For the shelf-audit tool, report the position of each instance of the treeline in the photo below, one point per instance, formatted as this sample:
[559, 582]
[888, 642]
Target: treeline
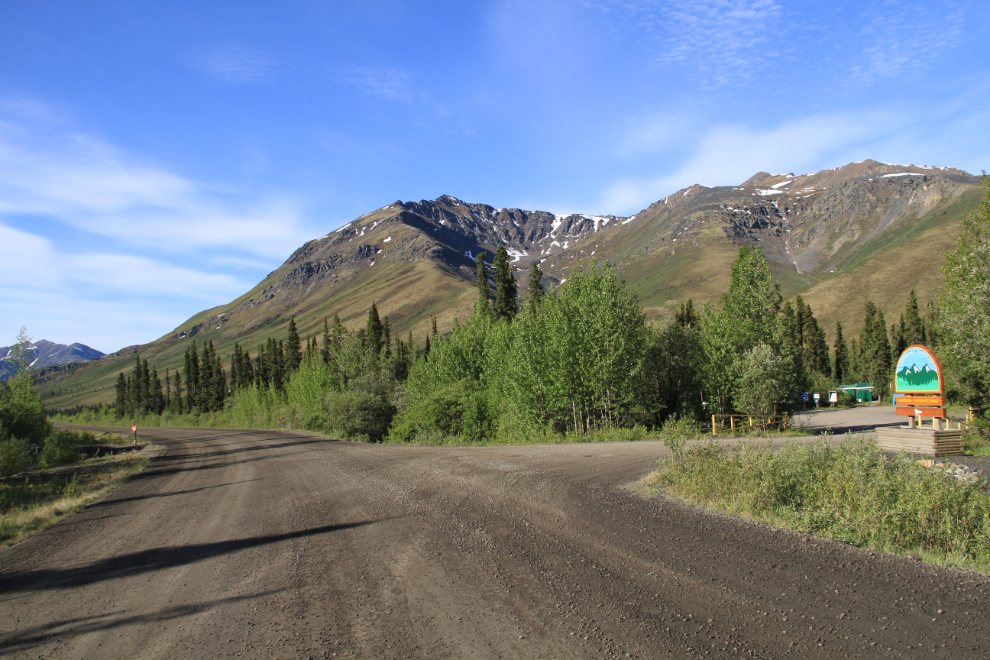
[579, 358]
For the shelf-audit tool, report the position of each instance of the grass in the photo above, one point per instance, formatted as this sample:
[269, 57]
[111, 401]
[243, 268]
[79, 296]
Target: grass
[32, 501]
[852, 493]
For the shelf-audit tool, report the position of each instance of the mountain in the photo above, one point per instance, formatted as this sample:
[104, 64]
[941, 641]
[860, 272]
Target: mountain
[840, 237]
[46, 353]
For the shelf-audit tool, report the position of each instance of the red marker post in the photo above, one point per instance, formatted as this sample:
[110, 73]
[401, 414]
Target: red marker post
[134, 428]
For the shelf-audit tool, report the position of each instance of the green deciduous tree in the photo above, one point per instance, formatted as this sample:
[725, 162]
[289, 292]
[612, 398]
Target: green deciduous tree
[22, 413]
[963, 319]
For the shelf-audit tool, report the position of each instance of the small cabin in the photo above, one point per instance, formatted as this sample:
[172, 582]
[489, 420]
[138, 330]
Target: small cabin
[862, 392]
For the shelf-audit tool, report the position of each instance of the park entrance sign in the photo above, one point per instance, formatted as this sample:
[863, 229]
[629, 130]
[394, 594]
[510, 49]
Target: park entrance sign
[920, 384]
[920, 392]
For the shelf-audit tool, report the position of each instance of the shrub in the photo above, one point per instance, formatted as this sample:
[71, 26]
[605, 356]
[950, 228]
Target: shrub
[463, 410]
[15, 456]
[854, 493]
[363, 412]
[60, 448]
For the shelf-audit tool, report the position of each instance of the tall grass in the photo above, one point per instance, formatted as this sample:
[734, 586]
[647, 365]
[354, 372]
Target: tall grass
[852, 493]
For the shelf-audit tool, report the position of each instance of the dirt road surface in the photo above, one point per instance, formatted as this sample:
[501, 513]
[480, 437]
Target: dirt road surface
[267, 544]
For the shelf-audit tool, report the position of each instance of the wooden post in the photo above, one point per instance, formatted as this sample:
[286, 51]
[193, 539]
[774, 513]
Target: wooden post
[732, 423]
[714, 428]
[912, 422]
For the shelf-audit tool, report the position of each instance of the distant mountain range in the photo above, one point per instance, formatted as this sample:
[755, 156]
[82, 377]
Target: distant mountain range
[839, 237]
[46, 353]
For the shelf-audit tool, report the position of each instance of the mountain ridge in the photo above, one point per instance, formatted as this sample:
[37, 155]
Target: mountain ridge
[415, 260]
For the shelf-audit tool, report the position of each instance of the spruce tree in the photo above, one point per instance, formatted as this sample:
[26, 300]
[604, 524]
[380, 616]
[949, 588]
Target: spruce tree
[505, 286]
[535, 290]
[177, 399]
[293, 350]
[481, 307]
[434, 321]
[685, 317]
[147, 393]
[374, 332]
[387, 336]
[235, 359]
[840, 367]
[120, 402]
[157, 396]
[325, 351]
[914, 328]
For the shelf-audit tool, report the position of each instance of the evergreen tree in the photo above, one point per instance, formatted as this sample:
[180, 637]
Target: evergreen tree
[535, 290]
[426, 349]
[293, 351]
[235, 360]
[433, 320]
[325, 351]
[157, 396]
[815, 345]
[278, 368]
[914, 327]
[875, 360]
[840, 367]
[120, 401]
[685, 317]
[168, 390]
[505, 286]
[387, 336]
[177, 399]
[147, 395]
[481, 307]
[192, 377]
[374, 331]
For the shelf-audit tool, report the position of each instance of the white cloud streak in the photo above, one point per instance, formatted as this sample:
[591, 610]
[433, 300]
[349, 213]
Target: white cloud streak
[88, 184]
[730, 154]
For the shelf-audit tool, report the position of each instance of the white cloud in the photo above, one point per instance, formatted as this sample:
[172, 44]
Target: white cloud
[72, 294]
[88, 184]
[904, 38]
[235, 64]
[730, 154]
[90, 234]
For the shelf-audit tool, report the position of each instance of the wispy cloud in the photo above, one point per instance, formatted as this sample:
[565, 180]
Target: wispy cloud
[87, 226]
[235, 64]
[722, 40]
[383, 82]
[729, 154]
[907, 36]
[84, 182]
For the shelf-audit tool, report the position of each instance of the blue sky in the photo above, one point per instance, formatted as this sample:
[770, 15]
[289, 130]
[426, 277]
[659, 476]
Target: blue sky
[158, 159]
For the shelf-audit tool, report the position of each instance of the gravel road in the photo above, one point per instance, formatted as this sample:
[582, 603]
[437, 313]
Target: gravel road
[271, 544]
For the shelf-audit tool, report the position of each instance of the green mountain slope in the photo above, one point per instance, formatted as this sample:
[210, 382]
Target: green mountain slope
[838, 237]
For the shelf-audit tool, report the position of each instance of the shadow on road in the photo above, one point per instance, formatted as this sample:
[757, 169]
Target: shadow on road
[151, 496]
[147, 561]
[25, 639]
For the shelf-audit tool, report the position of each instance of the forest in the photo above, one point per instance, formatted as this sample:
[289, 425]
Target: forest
[577, 359]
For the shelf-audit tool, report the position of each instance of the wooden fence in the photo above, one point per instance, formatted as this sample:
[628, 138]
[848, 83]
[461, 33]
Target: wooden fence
[755, 422]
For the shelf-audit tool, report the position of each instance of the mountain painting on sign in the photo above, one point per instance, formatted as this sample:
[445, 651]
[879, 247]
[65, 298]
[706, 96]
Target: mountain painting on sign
[918, 371]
